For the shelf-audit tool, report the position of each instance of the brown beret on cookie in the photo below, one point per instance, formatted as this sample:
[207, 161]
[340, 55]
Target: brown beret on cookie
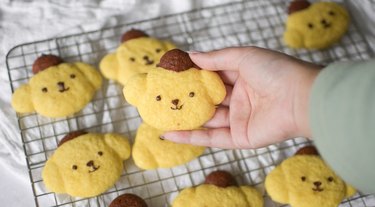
[128, 200]
[71, 136]
[133, 34]
[220, 179]
[307, 150]
[298, 5]
[176, 60]
[45, 61]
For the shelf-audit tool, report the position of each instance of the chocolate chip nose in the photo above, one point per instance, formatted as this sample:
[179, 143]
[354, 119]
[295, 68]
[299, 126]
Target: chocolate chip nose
[61, 85]
[90, 163]
[317, 183]
[145, 57]
[175, 101]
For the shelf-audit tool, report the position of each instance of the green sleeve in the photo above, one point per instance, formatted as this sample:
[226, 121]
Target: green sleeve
[342, 119]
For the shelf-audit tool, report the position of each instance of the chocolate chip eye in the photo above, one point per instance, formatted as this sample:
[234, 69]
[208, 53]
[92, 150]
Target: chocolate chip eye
[191, 94]
[303, 178]
[100, 153]
[331, 13]
[132, 59]
[158, 50]
[45, 90]
[158, 98]
[330, 179]
[310, 25]
[72, 76]
[74, 167]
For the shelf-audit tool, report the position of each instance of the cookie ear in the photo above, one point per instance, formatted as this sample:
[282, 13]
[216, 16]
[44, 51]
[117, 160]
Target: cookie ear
[109, 66]
[21, 100]
[52, 177]
[214, 86]
[293, 38]
[350, 191]
[90, 73]
[276, 185]
[135, 88]
[119, 144]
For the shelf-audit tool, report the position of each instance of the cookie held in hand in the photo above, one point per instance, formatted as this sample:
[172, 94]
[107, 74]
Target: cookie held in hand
[305, 180]
[86, 164]
[57, 89]
[138, 53]
[220, 189]
[150, 151]
[315, 26]
[176, 95]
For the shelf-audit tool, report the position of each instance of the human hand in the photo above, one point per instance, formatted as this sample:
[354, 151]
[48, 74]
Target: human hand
[267, 99]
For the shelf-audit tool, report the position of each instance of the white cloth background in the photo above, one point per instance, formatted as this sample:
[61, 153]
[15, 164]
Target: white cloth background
[26, 20]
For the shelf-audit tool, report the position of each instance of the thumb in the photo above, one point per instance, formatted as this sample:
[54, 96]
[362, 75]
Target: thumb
[223, 59]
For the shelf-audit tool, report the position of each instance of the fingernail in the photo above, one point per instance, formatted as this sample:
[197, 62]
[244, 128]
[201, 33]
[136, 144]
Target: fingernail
[161, 137]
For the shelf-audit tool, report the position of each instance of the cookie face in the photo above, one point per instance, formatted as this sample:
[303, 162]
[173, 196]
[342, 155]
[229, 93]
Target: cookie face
[150, 151]
[134, 56]
[316, 27]
[306, 181]
[170, 100]
[212, 195]
[87, 165]
[59, 90]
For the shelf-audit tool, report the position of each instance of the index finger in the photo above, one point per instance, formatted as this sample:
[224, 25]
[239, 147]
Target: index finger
[224, 59]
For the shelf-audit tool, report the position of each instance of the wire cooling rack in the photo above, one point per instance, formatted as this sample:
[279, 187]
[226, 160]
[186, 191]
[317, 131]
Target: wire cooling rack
[258, 23]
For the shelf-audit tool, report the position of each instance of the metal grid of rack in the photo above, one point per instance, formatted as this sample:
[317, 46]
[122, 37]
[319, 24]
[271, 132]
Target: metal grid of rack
[259, 23]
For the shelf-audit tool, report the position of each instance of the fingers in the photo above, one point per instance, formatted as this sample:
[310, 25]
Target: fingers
[220, 138]
[228, 77]
[224, 59]
[227, 98]
[240, 115]
[220, 119]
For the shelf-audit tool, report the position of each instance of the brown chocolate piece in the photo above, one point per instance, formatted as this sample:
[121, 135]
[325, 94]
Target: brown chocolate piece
[176, 60]
[308, 150]
[298, 5]
[71, 136]
[45, 61]
[221, 179]
[128, 200]
[132, 34]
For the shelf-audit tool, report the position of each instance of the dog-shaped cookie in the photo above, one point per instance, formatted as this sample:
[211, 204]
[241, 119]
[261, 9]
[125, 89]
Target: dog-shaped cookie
[57, 89]
[219, 190]
[305, 180]
[86, 164]
[176, 95]
[150, 151]
[315, 26]
[138, 53]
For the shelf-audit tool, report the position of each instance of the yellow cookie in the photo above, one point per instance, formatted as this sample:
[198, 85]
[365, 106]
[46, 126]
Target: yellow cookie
[180, 97]
[219, 192]
[57, 89]
[86, 165]
[138, 53]
[150, 151]
[304, 180]
[315, 26]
